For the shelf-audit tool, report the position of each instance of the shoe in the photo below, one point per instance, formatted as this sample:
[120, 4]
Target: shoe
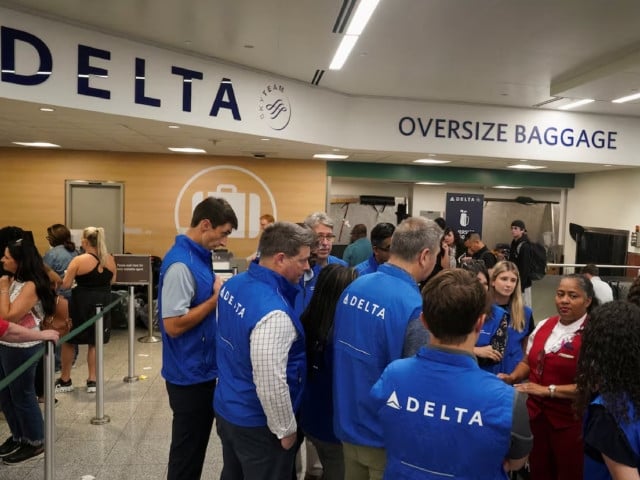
[24, 454]
[91, 386]
[8, 447]
[63, 387]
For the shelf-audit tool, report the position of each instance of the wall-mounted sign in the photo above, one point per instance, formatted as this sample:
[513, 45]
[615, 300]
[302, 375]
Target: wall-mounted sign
[464, 212]
[133, 269]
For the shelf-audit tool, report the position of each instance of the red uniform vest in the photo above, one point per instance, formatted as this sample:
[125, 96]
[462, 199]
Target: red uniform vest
[553, 368]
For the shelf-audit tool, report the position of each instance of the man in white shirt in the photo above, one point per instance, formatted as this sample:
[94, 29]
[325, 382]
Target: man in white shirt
[602, 289]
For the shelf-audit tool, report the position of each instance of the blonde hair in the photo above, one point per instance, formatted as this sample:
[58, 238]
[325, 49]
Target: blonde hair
[95, 237]
[516, 303]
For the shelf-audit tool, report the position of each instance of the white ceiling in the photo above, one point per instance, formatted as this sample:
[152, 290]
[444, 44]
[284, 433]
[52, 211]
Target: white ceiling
[494, 52]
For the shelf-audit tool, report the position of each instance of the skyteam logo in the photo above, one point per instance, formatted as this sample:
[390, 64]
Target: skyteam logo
[274, 106]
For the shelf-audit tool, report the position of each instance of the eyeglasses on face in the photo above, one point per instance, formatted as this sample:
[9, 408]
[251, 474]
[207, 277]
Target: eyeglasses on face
[325, 236]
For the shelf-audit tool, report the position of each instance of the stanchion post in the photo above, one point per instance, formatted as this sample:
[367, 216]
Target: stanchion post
[49, 411]
[131, 377]
[100, 418]
[151, 338]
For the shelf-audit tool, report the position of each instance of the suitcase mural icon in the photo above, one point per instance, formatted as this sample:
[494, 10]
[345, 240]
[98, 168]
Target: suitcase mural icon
[248, 212]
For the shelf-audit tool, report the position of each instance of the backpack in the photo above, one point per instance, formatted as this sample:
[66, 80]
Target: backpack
[538, 260]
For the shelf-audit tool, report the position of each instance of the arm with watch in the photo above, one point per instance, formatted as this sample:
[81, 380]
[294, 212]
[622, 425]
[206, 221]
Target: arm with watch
[566, 392]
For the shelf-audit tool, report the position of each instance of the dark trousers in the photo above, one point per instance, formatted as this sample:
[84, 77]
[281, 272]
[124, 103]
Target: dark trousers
[192, 407]
[254, 453]
[557, 454]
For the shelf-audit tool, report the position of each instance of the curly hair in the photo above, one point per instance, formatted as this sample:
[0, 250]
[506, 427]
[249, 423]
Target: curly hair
[634, 292]
[610, 360]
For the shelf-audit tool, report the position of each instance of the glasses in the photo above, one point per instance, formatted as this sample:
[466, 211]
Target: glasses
[328, 236]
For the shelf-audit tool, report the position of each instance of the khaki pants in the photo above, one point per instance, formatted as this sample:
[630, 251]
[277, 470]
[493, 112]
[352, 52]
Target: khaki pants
[363, 463]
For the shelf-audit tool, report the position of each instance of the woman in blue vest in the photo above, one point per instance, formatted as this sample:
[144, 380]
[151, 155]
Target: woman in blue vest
[317, 400]
[608, 392]
[503, 337]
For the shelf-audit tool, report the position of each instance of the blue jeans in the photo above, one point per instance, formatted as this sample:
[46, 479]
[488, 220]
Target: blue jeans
[18, 401]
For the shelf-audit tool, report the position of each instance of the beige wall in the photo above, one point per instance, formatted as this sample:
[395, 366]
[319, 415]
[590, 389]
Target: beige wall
[33, 190]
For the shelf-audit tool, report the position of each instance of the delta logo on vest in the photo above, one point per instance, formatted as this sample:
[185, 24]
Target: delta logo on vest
[365, 305]
[444, 413]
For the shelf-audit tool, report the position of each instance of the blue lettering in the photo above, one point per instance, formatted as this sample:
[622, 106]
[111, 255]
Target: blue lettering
[551, 136]
[440, 127]
[502, 132]
[597, 139]
[535, 134]
[520, 136]
[454, 125]
[424, 130]
[582, 138]
[403, 130]
[225, 89]
[140, 97]
[8, 38]
[486, 136]
[612, 140]
[466, 126]
[85, 70]
[566, 137]
[187, 77]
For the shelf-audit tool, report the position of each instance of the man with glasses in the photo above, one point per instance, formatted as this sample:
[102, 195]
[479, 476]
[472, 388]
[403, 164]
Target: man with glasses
[322, 226]
[188, 295]
[261, 357]
[381, 244]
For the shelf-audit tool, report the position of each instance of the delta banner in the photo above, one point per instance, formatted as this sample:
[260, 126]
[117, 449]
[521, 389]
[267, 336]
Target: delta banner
[464, 212]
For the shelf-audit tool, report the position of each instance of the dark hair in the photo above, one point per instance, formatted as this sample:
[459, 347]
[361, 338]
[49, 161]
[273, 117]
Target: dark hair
[634, 292]
[317, 318]
[452, 301]
[58, 234]
[590, 269]
[285, 237]
[359, 230]
[476, 267]
[216, 210]
[586, 286]
[610, 360]
[381, 232]
[30, 268]
[441, 222]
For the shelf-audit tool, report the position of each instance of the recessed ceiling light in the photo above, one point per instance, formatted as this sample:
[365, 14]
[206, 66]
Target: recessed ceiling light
[47, 109]
[575, 104]
[429, 183]
[330, 156]
[526, 166]
[37, 144]
[174, 126]
[628, 98]
[265, 139]
[187, 150]
[507, 187]
[608, 165]
[432, 161]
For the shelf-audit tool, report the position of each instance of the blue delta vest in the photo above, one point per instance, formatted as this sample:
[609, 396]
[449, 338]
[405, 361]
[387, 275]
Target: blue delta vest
[594, 470]
[244, 300]
[443, 417]
[308, 284]
[513, 352]
[368, 266]
[191, 357]
[370, 323]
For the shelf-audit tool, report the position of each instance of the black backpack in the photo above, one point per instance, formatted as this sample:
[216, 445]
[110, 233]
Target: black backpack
[538, 260]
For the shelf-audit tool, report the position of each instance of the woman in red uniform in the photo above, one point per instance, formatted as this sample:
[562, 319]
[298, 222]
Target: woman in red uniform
[550, 365]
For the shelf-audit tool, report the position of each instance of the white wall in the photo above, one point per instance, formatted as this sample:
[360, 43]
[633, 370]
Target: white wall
[605, 200]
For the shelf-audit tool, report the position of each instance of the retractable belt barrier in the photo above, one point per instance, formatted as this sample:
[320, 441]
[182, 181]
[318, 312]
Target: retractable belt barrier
[36, 356]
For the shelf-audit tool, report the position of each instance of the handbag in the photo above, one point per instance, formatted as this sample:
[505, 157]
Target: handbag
[60, 320]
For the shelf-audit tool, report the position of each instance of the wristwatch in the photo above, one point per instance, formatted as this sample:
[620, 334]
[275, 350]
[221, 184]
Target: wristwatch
[552, 390]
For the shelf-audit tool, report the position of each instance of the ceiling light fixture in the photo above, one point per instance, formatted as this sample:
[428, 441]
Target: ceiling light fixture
[354, 30]
[430, 183]
[526, 166]
[506, 187]
[174, 126]
[46, 109]
[431, 161]
[577, 103]
[37, 144]
[628, 98]
[187, 150]
[330, 156]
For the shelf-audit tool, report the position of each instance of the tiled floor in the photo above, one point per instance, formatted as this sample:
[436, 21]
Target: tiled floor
[135, 444]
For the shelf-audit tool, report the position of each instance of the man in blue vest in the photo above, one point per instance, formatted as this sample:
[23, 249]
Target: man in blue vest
[322, 226]
[381, 244]
[377, 321]
[441, 415]
[187, 304]
[261, 358]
